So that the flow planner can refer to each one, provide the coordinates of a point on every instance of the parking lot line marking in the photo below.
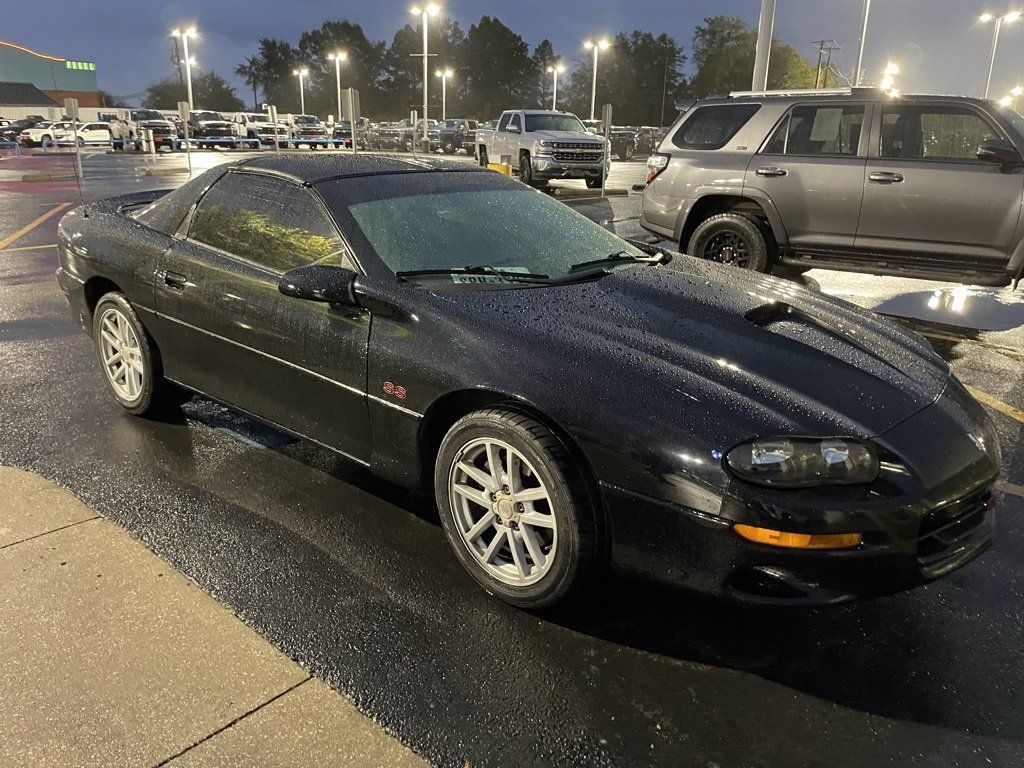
(993, 402)
(28, 248)
(1005, 487)
(31, 225)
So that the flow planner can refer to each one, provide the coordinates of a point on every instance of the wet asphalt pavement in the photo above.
(353, 577)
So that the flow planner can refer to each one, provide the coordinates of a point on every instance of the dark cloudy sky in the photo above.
(939, 44)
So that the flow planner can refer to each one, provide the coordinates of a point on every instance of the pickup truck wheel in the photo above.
(731, 238)
(515, 508)
(449, 148)
(483, 157)
(595, 182)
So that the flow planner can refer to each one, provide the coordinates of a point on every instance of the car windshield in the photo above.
(1013, 116)
(553, 123)
(258, 118)
(306, 120)
(414, 222)
(208, 115)
(146, 114)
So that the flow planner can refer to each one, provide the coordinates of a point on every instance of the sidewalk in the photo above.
(112, 658)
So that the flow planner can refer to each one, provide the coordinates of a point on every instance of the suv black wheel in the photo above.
(515, 508)
(595, 182)
(525, 170)
(483, 156)
(731, 238)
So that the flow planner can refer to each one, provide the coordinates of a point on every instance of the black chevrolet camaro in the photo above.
(574, 400)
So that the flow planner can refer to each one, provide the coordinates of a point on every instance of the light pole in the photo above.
(302, 88)
(763, 47)
(595, 46)
(444, 74)
(337, 58)
(425, 13)
(185, 35)
(555, 71)
(985, 18)
(863, 37)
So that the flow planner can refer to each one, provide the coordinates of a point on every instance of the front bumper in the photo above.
(702, 553)
(546, 167)
(74, 290)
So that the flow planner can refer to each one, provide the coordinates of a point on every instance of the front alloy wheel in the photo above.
(121, 355)
(515, 508)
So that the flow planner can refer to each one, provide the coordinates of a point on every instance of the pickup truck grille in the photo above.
(579, 153)
(589, 145)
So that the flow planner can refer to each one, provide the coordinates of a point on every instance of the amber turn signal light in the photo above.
(798, 540)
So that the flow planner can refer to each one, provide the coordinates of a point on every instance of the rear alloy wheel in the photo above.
(130, 361)
(514, 508)
(733, 239)
(483, 157)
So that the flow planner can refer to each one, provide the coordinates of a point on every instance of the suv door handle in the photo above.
(885, 177)
(771, 172)
(175, 280)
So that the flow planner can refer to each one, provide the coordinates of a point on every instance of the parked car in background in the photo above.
(454, 134)
(139, 120)
(401, 135)
(257, 125)
(623, 141)
(544, 145)
(211, 128)
(178, 123)
(647, 139)
(12, 131)
(919, 186)
(87, 133)
(342, 133)
(306, 129)
(37, 134)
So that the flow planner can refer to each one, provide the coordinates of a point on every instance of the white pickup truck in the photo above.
(543, 145)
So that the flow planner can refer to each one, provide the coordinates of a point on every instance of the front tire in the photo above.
(515, 508)
(483, 157)
(595, 182)
(130, 360)
(731, 238)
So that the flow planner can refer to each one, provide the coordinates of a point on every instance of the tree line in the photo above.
(640, 73)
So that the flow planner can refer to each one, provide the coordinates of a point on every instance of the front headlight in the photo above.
(803, 462)
(542, 147)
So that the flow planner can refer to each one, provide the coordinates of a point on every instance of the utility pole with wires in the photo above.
(825, 48)
(177, 61)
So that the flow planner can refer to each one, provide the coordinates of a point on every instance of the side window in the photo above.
(819, 129)
(267, 221)
(712, 127)
(516, 121)
(503, 123)
(933, 132)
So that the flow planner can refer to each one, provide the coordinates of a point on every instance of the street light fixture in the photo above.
(302, 88)
(425, 13)
(555, 71)
(444, 74)
(985, 18)
(596, 46)
(888, 83)
(185, 34)
(337, 58)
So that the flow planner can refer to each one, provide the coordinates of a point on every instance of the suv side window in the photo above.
(503, 123)
(711, 127)
(932, 132)
(819, 129)
(516, 121)
(266, 221)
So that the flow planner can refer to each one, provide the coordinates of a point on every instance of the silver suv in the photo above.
(918, 186)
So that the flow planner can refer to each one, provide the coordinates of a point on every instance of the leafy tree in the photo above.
(497, 70)
(209, 91)
(110, 100)
(277, 59)
(361, 69)
(723, 53)
(402, 81)
(249, 71)
(544, 57)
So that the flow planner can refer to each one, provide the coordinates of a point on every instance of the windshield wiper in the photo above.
(478, 269)
(618, 256)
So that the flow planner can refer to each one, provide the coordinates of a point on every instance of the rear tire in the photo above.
(525, 531)
(483, 157)
(130, 360)
(731, 238)
(595, 182)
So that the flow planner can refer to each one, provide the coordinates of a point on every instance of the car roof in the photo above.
(839, 94)
(311, 169)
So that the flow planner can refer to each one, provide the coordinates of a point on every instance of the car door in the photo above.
(237, 338)
(927, 193)
(812, 170)
(501, 142)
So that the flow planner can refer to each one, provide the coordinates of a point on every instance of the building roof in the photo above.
(24, 95)
(312, 168)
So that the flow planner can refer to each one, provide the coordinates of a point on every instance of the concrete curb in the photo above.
(51, 176)
(164, 171)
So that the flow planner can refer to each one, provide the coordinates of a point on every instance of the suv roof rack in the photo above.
(806, 92)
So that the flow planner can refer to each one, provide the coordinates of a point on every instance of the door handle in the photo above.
(175, 280)
(885, 177)
(771, 172)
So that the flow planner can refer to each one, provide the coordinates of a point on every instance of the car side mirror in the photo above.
(317, 282)
(513, 129)
(999, 151)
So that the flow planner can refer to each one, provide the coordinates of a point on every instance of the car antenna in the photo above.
(71, 108)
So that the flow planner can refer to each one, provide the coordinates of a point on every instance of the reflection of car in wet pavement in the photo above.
(916, 186)
(881, 461)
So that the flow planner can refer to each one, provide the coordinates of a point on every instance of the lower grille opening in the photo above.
(947, 532)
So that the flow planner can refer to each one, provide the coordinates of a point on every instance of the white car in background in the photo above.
(88, 133)
(37, 134)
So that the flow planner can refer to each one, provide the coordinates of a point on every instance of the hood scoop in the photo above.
(804, 328)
